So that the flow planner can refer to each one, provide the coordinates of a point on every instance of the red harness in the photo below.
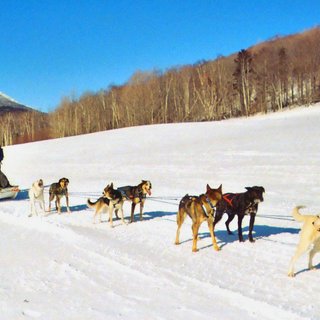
(228, 197)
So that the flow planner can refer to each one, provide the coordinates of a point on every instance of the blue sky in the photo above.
(52, 49)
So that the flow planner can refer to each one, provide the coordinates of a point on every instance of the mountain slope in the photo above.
(9, 104)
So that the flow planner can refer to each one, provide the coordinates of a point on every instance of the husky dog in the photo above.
(136, 194)
(36, 195)
(115, 201)
(240, 204)
(309, 238)
(199, 209)
(57, 191)
(101, 205)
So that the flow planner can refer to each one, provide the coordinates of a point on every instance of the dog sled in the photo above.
(9, 192)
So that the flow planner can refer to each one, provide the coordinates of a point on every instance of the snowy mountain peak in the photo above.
(9, 104)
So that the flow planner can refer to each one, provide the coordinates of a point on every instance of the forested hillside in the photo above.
(282, 72)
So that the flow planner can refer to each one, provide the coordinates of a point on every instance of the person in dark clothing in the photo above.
(1, 156)
(4, 182)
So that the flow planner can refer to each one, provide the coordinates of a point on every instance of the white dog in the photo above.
(309, 238)
(36, 195)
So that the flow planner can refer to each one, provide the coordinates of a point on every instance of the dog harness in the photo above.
(211, 206)
(228, 197)
(137, 193)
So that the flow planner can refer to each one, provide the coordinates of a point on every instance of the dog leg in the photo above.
(213, 237)
(240, 218)
(217, 216)
(195, 231)
(230, 218)
(67, 203)
(141, 209)
(110, 214)
(121, 215)
(58, 208)
(302, 248)
(181, 215)
(133, 205)
(314, 250)
(252, 218)
(42, 207)
(31, 208)
(51, 197)
(94, 216)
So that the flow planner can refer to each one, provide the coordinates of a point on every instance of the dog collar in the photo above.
(205, 210)
(210, 203)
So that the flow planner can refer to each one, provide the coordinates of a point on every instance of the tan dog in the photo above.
(199, 209)
(36, 196)
(100, 206)
(309, 238)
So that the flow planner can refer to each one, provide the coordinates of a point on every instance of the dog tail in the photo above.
(297, 215)
(91, 204)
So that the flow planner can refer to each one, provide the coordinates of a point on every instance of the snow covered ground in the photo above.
(66, 267)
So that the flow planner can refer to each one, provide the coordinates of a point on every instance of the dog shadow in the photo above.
(79, 207)
(259, 232)
(64, 209)
(316, 267)
(154, 214)
(24, 194)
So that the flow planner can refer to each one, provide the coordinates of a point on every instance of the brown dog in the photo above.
(57, 191)
(199, 209)
(136, 194)
(101, 205)
(309, 238)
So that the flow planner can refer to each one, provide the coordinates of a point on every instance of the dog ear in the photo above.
(248, 188)
(208, 187)
(220, 188)
(111, 185)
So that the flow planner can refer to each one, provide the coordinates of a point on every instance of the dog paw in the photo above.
(291, 274)
(216, 248)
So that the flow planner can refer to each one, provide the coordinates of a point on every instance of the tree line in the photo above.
(279, 73)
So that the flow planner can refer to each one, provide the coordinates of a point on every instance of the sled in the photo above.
(9, 193)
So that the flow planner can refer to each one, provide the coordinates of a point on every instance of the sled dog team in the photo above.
(209, 207)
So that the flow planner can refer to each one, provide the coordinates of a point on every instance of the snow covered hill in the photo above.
(66, 267)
